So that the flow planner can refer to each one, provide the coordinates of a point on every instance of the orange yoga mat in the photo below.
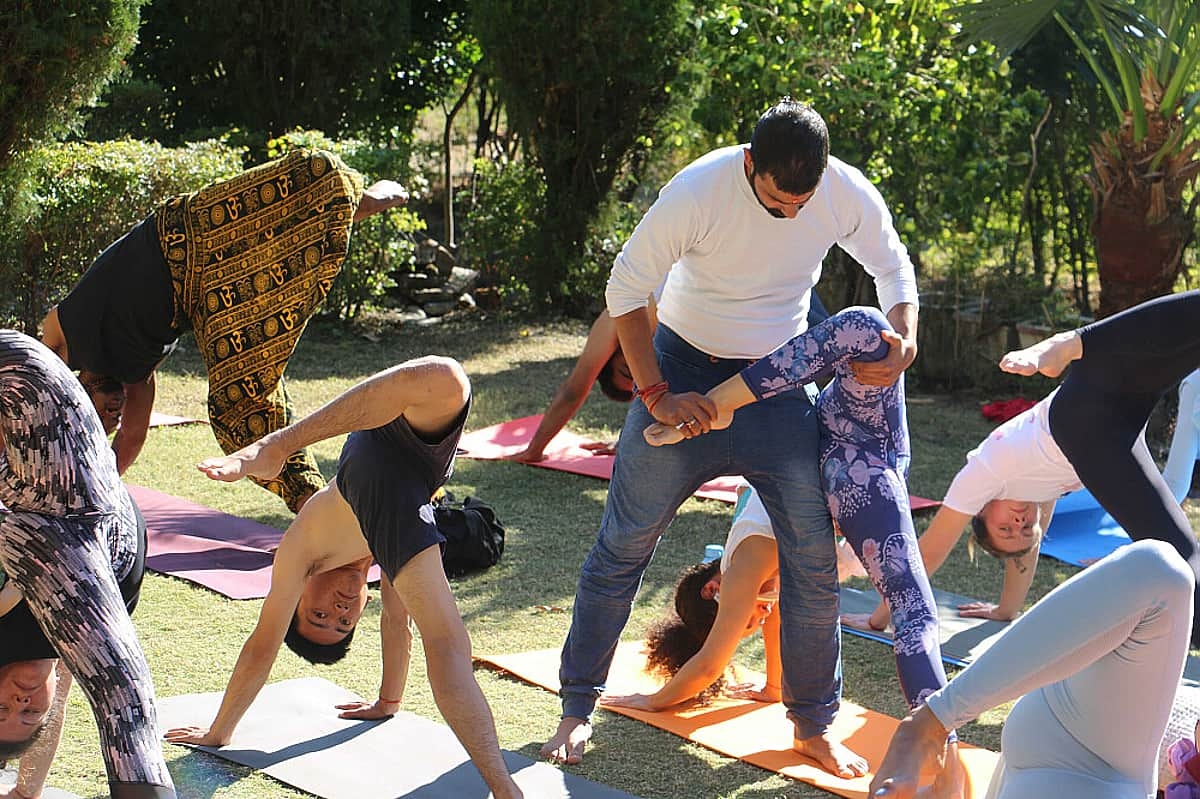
(755, 732)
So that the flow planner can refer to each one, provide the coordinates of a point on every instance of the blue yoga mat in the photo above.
(1082, 531)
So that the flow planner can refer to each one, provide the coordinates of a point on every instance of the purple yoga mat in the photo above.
(224, 553)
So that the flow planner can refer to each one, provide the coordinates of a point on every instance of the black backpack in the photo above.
(474, 536)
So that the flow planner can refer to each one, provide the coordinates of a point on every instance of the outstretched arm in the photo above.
(288, 575)
(601, 344)
(397, 651)
(429, 392)
(135, 422)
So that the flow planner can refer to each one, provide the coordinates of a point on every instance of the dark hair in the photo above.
(313, 652)
(982, 536)
(95, 383)
(673, 640)
(12, 750)
(607, 386)
(791, 144)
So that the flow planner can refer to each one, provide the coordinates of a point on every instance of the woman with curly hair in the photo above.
(864, 459)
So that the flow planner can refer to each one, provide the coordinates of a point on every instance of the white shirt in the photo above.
(1019, 460)
(739, 278)
(750, 518)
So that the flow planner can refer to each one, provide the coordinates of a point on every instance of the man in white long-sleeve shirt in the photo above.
(740, 235)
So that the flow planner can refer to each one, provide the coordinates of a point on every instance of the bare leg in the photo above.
(569, 741)
(422, 587)
(1050, 356)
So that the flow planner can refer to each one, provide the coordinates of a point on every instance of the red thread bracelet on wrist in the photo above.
(651, 390)
(654, 400)
(389, 701)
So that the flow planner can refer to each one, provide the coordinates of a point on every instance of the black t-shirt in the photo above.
(22, 639)
(388, 476)
(117, 319)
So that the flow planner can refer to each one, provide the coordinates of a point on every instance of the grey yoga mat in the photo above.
(293, 734)
(963, 640)
(8, 778)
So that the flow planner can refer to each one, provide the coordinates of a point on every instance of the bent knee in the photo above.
(447, 376)
(1160, 564)
(865, 315)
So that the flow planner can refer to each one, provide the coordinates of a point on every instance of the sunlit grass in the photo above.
(192, 636)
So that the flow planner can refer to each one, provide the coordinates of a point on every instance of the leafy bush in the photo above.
(380, 244)
(80, 198)
(582, 89)
(499, 230)
(55, 55)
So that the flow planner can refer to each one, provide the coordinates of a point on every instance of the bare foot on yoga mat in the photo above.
(833, 756)
(1050, 357)
(569, 741)
(919, 743)
(260, 459)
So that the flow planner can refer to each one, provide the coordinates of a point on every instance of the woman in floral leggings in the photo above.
(864, 462)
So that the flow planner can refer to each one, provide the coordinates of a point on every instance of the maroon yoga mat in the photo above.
(566, 454)
(224, 553)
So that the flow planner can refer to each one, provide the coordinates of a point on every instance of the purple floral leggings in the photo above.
(864, 462)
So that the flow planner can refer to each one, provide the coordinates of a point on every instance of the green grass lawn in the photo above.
(192, 636)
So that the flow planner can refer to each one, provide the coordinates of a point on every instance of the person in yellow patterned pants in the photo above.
(244, 263)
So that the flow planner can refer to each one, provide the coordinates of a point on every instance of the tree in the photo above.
(581, 87)
(340, 66)
(940, 131)
(1146, 56)
(55, 56)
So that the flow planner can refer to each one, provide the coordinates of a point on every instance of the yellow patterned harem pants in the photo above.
(251, 259)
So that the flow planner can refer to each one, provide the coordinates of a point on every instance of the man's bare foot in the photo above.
(1050, 357)
(919, 742)
(832, 755)
(569, 741)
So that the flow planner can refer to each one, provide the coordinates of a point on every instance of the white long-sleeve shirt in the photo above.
(739, 278)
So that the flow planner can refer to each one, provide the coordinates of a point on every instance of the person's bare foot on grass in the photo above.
(833, 756)
(569, 741)
(1050, 357)
(919, 743)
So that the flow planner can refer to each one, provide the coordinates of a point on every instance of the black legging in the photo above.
(1129, 361)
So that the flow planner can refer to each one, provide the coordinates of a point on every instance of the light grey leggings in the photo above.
(1096, 663)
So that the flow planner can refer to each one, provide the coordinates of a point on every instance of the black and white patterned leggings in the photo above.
(68, 530)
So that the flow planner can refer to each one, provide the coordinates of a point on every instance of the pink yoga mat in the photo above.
(566, 454)
(224, 553)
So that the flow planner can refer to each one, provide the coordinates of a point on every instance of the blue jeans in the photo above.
(774, 444)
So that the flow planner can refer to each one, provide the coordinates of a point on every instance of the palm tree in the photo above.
(1144, 164)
